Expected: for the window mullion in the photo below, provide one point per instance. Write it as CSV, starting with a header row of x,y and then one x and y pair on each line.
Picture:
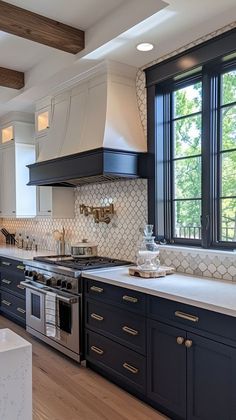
x,y
207,138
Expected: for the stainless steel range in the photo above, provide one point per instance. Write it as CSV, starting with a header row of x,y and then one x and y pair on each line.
x,y
54,304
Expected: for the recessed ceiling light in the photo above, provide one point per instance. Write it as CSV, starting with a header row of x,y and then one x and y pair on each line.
x,y
145,46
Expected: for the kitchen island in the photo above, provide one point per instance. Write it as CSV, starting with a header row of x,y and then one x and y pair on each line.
x,y
15,377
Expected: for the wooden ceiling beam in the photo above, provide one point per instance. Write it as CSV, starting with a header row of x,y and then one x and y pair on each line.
x,y
11,78
38,28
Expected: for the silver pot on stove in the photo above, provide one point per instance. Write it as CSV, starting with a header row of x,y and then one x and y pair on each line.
x,y
84,249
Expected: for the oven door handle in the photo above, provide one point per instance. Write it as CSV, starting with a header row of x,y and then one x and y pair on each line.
x,y
72,299
28,285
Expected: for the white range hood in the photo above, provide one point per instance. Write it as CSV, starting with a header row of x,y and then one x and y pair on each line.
x,y
95,130
100,111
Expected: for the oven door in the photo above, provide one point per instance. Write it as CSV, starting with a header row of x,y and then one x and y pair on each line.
x,y
35,307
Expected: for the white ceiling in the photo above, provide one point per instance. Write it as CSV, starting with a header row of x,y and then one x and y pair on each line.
x,y
113,28
79,13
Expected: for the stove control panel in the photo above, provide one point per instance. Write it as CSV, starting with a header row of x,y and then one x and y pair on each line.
x,y
57,281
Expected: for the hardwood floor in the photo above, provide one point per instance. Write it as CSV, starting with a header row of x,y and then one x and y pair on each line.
x,y
64,390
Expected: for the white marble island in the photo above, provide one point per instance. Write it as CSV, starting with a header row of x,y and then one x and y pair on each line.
x,y
15,377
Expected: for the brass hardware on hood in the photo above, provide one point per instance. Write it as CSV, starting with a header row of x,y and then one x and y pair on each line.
x,y
100,214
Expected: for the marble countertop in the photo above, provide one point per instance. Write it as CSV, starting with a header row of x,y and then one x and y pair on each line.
x,y
215,295
11,251
11,341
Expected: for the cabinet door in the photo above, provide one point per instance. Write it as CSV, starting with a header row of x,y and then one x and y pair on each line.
x,y
166,383
211,383
44,201
8,182
1,184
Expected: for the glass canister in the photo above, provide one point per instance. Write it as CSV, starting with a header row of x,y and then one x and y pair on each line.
x,y
148,252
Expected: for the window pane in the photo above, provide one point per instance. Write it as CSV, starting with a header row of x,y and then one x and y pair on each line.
x,y
187,136
228,220
229,127
228,174
229,87
188,100
187,219
187,178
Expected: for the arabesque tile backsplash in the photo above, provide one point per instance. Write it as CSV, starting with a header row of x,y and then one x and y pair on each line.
x,y
121,238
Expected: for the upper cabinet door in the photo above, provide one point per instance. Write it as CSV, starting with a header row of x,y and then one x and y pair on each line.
x,y
211,368
8,183
166,374
51,144
42,121
1,184
44,201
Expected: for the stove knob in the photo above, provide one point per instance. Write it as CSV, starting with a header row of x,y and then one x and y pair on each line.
x,y
69,286
48,282
35,277
26,273
59,282
30,274
40,278
53,281
63,284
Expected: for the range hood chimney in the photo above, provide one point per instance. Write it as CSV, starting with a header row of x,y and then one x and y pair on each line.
x,y
95,131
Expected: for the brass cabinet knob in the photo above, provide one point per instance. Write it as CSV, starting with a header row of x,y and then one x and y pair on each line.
x,y
188,344
180,340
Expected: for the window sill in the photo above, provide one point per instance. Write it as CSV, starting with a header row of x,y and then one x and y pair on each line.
x,y
198,250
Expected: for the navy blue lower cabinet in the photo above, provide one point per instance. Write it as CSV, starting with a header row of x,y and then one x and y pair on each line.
x,y
211,380
166,368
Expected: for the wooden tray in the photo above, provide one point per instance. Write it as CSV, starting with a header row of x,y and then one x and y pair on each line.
x,y
161,272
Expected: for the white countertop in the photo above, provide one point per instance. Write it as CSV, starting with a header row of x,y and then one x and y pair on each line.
x,y
15,377
215,295
11,251
11,341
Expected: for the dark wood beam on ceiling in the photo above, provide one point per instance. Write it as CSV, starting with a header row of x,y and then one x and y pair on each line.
x,y
38,28
11,78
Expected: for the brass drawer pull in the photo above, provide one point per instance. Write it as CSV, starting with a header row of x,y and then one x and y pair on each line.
x,y
180,340
188,317
97,350
97,317
20,267
129,330
96,289
188,343
22,311
6,281
6,263
20,286
130,368
5,302
131,299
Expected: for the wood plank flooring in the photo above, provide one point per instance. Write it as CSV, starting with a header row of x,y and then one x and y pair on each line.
x,y
64,390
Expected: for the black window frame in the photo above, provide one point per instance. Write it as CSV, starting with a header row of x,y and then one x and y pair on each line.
x,y
209,64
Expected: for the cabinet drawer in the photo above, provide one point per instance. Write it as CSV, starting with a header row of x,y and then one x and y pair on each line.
x,y
10,264
13,305
126,327
124,364
124,298
10,282
199,319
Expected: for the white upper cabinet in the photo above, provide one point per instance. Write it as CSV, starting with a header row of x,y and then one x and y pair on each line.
x,y
42,121
50,143
55,202
17,149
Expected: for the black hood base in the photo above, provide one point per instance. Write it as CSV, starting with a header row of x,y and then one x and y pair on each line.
x,y
94,166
